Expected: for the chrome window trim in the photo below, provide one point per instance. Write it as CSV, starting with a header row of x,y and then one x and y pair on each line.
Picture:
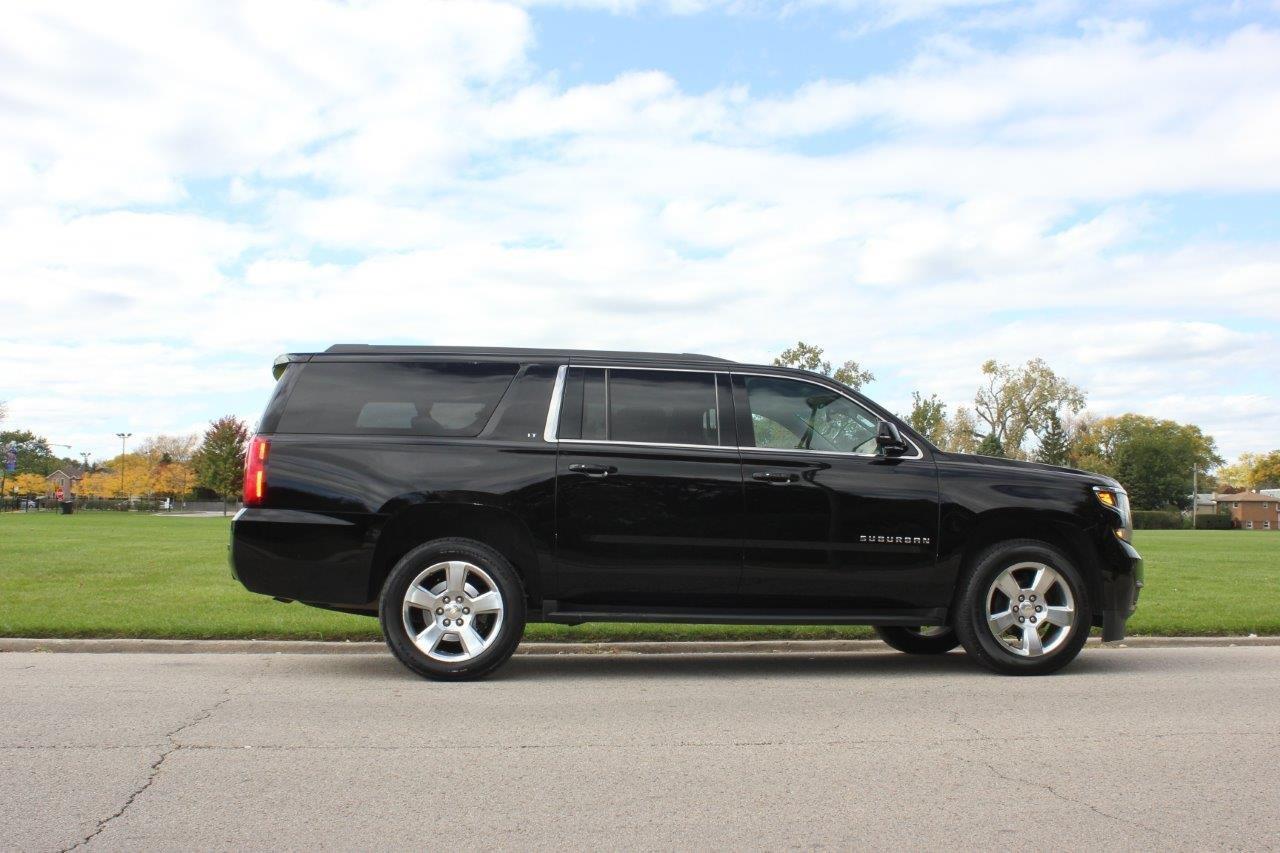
x,y
557,399
553,411
651,444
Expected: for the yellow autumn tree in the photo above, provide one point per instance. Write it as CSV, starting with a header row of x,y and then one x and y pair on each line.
x,y
174,479
32,484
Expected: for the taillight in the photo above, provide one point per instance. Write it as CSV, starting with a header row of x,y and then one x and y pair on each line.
x,y
255,471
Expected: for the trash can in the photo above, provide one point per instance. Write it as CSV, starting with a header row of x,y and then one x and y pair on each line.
x,y
66,507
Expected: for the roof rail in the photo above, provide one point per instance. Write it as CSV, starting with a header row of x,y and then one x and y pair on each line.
x,y
396,349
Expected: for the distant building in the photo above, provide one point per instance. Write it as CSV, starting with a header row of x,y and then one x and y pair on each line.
x,y
1204,504
1252,510
64,479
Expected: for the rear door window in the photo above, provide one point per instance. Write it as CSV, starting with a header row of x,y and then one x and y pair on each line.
x,y
395,398
640,406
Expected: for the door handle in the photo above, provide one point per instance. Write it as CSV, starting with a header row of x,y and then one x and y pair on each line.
x,y
778,477
593,470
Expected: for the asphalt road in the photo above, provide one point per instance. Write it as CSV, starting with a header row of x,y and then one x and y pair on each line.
x,y
1171,747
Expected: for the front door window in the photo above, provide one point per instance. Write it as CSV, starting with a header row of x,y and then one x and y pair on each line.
x,y
787,414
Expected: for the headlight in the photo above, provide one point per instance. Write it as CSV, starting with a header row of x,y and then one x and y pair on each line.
x,y
1118,501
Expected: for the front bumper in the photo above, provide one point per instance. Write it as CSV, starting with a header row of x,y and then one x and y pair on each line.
x,y
1122,581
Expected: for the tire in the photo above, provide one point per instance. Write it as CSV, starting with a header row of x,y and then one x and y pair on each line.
x,y
485,622
919,641
1005,586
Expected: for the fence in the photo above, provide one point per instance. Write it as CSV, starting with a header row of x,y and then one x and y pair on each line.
x,y
44,504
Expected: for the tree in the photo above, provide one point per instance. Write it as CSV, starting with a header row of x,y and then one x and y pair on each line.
x,y
1054,445
219,463
174,479
991,445
962,432
1151,458
929,417
1253,471
809,357
32,484
34,455
169,448
1016,401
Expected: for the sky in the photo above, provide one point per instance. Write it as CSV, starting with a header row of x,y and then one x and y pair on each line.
x,y
189,189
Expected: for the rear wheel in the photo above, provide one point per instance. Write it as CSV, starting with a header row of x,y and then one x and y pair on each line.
x,y
1023,609
925,640
452,609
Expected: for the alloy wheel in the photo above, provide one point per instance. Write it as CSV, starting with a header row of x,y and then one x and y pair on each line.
x,y
453,611
1030,609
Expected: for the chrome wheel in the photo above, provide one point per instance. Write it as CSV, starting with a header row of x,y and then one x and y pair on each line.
x,y
1030,609
453,611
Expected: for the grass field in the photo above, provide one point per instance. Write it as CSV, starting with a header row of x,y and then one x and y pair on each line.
x,y
133,575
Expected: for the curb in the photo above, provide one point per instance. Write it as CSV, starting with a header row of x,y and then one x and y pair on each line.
x,y
752,647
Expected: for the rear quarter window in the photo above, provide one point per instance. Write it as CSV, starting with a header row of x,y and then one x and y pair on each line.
x,y
395,398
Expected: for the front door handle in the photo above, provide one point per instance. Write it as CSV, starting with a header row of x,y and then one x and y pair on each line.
x,y
779,477
593,470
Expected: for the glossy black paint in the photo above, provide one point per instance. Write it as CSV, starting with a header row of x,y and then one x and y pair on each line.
x,y
726,533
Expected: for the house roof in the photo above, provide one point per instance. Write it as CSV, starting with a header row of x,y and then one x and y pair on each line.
x,y
1244,497
69,473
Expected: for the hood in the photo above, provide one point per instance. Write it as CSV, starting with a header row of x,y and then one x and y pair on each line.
x,y
999,462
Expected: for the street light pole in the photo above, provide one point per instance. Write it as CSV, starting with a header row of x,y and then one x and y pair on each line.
x,y
123,436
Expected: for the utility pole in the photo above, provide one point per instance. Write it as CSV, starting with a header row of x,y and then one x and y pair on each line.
x,y
123,436
1195,497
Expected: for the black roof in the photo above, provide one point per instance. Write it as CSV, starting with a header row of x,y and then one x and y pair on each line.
x,y
516,352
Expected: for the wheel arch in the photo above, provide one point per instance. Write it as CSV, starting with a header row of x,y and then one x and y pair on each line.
x,y
496,527
1058,530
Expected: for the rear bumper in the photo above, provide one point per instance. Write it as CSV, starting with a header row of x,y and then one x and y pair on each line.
x,y
302,556
1122,581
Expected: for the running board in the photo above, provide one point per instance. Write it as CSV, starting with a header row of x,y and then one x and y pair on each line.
x,y
567,614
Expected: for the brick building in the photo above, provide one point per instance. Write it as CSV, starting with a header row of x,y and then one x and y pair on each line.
x,y
1251,510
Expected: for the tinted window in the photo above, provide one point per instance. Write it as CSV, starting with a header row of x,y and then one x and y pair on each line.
x,y
390,398
582,409
793,415
665,407
522,415
651,406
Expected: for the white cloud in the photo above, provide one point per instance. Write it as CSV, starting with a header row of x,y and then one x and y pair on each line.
x,y
186,190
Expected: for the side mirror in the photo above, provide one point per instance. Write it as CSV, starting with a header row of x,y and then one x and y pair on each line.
x,y
889,440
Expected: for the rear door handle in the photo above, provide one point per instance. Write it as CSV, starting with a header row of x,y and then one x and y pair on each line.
x,y
779,477
593,470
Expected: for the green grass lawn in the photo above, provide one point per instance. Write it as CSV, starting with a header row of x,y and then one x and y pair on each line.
x,y
133,575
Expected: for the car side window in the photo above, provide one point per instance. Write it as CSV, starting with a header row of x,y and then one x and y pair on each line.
x,y
663,407
644,406
788,414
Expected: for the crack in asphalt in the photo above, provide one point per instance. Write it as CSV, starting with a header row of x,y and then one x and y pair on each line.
x,y
154,770
1054,792
1050,789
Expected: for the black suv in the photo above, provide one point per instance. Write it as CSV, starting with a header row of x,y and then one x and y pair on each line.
x,y
459,493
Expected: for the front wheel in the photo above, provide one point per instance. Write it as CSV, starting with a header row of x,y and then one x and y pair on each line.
x,y
452,609
926,640
1023,609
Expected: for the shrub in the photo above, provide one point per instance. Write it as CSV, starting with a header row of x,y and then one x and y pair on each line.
x,y
1214,522
1157,519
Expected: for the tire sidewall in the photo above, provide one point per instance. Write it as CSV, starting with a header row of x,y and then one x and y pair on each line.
x,y
391,604
977,637
913,643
